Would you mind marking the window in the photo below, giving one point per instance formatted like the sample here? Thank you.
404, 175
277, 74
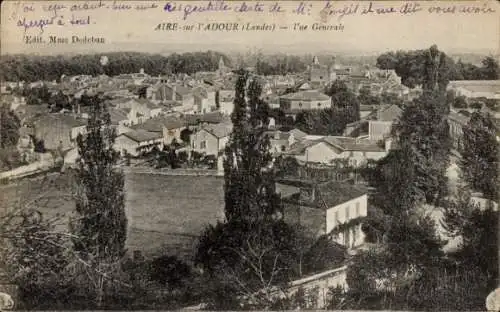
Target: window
347, 217
300, 104
358, 213
336, 218
203, 144
319, 104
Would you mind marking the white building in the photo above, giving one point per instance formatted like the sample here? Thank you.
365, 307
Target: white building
211, 139
137, 141
327, 208
326, 149
489, 89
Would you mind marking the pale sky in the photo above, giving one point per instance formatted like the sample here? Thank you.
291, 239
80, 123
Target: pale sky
132, 29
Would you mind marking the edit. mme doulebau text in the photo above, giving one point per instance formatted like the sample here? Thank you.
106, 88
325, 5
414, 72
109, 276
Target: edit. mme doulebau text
64, 40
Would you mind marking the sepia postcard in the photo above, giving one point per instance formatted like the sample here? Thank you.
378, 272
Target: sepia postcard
249, 155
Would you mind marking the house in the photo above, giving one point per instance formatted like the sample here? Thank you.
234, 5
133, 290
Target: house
489, 89
326, 149
176, 93
226, 101
137, 141
204, 99
304, 100
366, 110
27, 113
298, 134
381, 128
169, 127
330, 207
280, 141
119, 119
58, 131
138, 110
211, 139
197, 120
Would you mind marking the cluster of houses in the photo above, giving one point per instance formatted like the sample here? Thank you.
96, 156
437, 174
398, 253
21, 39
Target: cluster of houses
194, 112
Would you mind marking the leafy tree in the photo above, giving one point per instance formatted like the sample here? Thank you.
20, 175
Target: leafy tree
248, 196
33, 254
413, 66
186, 135
9, 127
395, 179
423, 129
479, 152
478, 229
100, 229
490, 69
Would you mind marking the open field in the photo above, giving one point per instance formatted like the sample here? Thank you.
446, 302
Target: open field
166, 213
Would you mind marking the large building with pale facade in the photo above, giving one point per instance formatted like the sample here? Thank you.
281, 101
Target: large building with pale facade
331, 207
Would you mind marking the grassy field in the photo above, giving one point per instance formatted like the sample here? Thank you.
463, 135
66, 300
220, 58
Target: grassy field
165, 213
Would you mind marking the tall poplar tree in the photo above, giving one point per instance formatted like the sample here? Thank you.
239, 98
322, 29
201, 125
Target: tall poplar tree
480, 152
249, 183
423, 129
101, 226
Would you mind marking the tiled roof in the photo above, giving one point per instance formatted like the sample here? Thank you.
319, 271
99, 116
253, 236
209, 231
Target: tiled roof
147, 103
220, 130
490, 86
69, 120
117, 115
352, 144
307, 95
278, 135
142, 135
297, 134
286, 190
213, 117
335, 193
156, 124
389, 113
342, 143
326, 195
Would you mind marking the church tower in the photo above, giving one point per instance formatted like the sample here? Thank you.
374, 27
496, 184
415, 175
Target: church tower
221, 64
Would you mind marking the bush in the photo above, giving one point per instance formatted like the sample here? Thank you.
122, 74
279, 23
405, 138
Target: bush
182, 156
476, 105
169, 271
460, 102
210, 161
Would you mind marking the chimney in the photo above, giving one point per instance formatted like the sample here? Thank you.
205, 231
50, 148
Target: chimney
174, 91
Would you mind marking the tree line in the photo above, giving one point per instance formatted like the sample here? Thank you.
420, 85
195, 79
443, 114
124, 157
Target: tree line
411, 65
31, 68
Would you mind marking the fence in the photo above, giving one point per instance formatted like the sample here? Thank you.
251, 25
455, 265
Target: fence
173, 172
45, 163
322, 283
